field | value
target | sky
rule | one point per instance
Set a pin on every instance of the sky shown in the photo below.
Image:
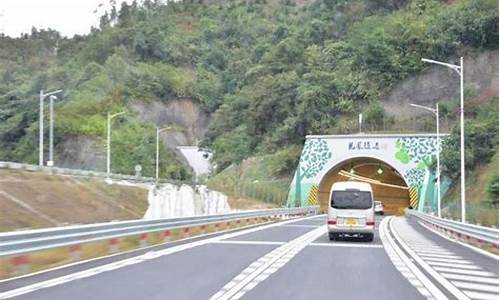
(69, 17)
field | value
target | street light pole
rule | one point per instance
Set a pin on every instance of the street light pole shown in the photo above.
(460, 70)
(40, 133)
(438, 151)
(438, 167)
(158, 130)
(40, 136)
(108, 156)
(50, 162)
(462, 140)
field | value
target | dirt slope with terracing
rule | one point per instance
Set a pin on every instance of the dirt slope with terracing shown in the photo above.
(35, 200)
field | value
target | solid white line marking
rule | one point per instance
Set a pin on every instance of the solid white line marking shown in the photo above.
(482, 296)
(134, 260)
(476, 286)
(471, 278)
(248, 242)
(346, 245)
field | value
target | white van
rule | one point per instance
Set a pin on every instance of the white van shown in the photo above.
(351, 210)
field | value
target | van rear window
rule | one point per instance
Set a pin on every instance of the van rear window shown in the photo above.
(351, 200)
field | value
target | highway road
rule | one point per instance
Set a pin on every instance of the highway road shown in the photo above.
(289, 260)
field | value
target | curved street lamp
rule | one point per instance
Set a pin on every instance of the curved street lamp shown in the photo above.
(438, 151)
(40, 137)
(460, 70)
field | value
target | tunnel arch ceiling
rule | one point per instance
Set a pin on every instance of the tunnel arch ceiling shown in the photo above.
(410, 155)
(388, 185)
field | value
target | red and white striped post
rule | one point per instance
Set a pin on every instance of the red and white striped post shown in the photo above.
(143, 242)
(114, 245)
(75, 252)
(21, 264)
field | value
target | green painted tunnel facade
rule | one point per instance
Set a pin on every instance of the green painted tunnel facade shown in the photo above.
(410, 155)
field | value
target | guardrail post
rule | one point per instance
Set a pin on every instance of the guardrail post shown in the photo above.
(21, 264)
(114, 245)
(75, 252)
(143, 242)
(166, 235)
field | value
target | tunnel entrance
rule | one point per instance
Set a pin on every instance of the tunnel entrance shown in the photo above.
(407, 177)
(388, 185)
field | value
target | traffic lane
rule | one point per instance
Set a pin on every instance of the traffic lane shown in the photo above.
(92, 263)
(316, 221)
(376, 237)
(274, 234)
(196, 273)
(487, 263)
(342, 273)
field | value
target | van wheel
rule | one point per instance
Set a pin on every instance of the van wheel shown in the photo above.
(369, 237)
(332, 236)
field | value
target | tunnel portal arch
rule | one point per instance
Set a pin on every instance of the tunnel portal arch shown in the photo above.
(389, 186)
(410, 155)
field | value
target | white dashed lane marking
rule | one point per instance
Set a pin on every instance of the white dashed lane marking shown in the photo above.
(262, 268)
(135, 260)
(248, 242)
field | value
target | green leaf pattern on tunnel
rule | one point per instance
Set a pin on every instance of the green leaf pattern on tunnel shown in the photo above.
(314, 157)
(419, 151)
(415, 177)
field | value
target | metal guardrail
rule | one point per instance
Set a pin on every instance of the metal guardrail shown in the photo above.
(481, 233)
(80, 173)
(13, 243)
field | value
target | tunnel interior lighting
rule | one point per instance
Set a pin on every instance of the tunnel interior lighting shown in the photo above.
(371, 181)
(380, 170)
(352, 169)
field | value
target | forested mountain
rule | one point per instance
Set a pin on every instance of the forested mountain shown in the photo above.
(269, 72)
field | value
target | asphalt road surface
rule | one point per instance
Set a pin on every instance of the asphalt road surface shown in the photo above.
(287, 260)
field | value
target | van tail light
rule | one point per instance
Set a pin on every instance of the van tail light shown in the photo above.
(370, 223)
(332, 222)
